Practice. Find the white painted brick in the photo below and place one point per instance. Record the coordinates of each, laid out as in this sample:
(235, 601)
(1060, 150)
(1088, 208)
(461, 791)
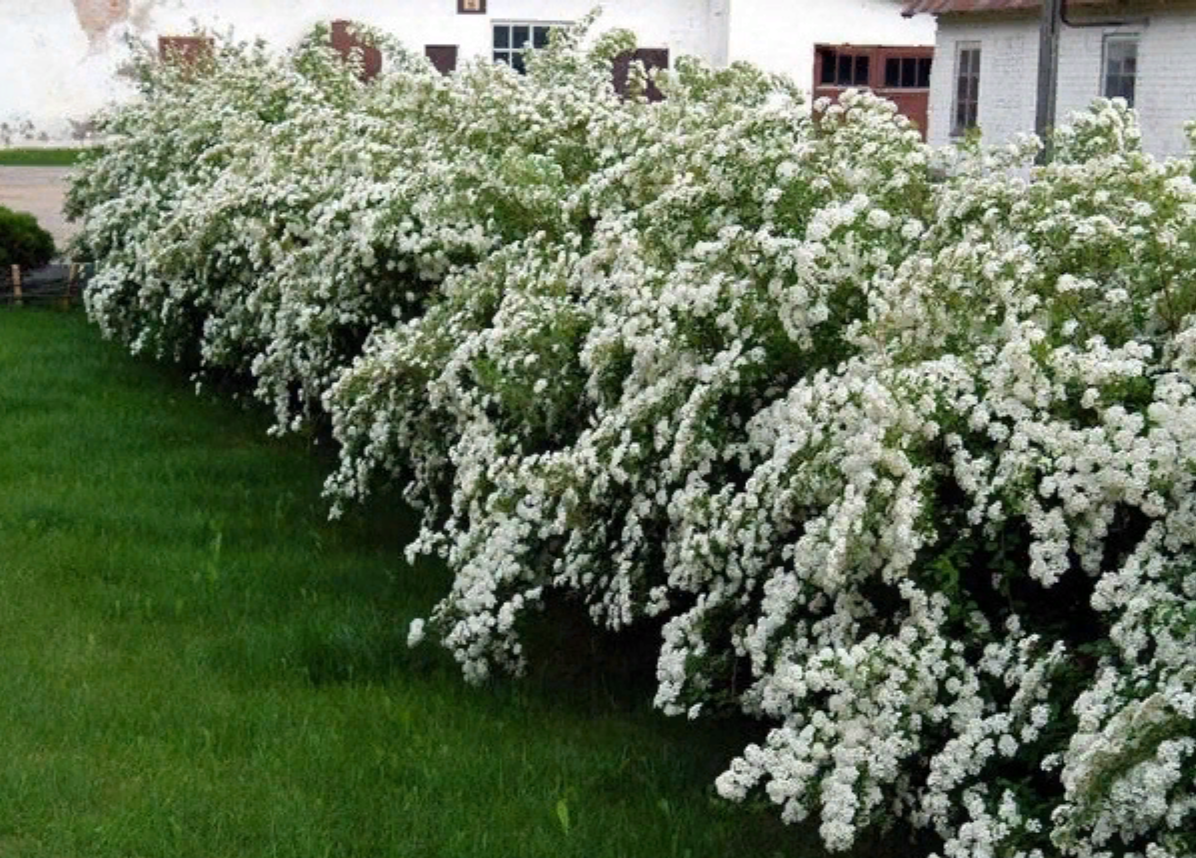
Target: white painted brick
(1008, 71)
(1166, 85)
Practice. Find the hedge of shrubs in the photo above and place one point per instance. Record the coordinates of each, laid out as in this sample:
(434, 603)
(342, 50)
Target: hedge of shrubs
(898, 444)
(23, 241)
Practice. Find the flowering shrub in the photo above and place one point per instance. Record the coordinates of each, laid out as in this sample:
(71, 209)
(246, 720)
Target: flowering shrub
(895, 443)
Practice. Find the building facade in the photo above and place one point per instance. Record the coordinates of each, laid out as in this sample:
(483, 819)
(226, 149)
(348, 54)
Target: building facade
(62, 57)
(986, 70)
(782, 35)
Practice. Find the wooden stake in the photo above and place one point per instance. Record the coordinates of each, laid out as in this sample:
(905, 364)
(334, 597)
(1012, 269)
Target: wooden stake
(70, 285)
(16, 286)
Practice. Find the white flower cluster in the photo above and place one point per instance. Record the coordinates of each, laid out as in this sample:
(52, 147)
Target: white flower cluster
(898, 445)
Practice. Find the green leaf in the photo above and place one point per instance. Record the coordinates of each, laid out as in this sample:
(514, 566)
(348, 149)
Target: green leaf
(562, 815)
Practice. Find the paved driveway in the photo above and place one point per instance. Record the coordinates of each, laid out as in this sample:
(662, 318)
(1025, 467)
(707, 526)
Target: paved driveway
(39, 190)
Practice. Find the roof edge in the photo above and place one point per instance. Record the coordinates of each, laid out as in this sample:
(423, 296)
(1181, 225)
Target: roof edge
(940, 7)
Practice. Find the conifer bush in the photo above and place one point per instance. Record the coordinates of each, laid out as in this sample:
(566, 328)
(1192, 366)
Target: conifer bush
(896, 443)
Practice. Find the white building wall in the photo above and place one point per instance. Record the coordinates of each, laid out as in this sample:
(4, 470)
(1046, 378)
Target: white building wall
(1008, 74)
(779, 35)
(1166, 85)
(60, 57)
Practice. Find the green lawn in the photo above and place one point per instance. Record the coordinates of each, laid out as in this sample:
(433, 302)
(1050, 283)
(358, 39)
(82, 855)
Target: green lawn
(196, 663)
(39, 157)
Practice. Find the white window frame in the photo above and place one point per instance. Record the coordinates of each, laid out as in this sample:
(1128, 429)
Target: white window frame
(509, 53)
(1113, 38)
(958, 129)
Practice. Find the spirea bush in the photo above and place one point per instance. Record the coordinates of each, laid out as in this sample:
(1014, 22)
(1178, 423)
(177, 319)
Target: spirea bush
(896, 444)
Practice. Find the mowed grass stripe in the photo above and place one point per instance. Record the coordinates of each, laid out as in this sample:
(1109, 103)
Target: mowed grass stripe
(40, 157)
(197, 663)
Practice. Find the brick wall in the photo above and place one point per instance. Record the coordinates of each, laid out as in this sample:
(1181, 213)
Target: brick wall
(1166, 87)
(1008, 74)
(1166, 83)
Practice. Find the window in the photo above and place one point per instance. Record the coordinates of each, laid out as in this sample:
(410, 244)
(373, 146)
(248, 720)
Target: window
(443, 57)
(844, 69)
(511, 39)
(1120, 66)
(652, 58)
(967, 86)
(907, 72)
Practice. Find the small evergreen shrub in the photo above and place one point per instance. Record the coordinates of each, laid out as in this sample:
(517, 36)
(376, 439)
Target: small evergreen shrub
(22, 241)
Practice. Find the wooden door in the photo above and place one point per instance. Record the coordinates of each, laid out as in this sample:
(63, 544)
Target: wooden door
(897, 72)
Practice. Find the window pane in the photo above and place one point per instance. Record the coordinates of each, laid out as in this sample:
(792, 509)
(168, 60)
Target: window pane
(1121, 87)
(909, 72)
(892, 72)
(1121, 49)
(862, 67)
(965, 59)
(924, 66)
(502, 37)
(517, 62)
(967, 88)
(828, 67)
(520, 35)
(540, 37)
(1121, 67)
(845, 67)
(502, 57)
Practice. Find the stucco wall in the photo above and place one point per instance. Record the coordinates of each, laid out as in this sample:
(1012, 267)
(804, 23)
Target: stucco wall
(56, 63)
(60, 57)
(1166, 84)
(779, 35)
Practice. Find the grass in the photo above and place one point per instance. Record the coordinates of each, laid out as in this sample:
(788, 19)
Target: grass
(197, 663)
(39, 157)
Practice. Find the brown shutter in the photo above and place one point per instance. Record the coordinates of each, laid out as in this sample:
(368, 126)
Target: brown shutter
(344, 44)
(652, 58)
(444, 57)
(184, 50)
